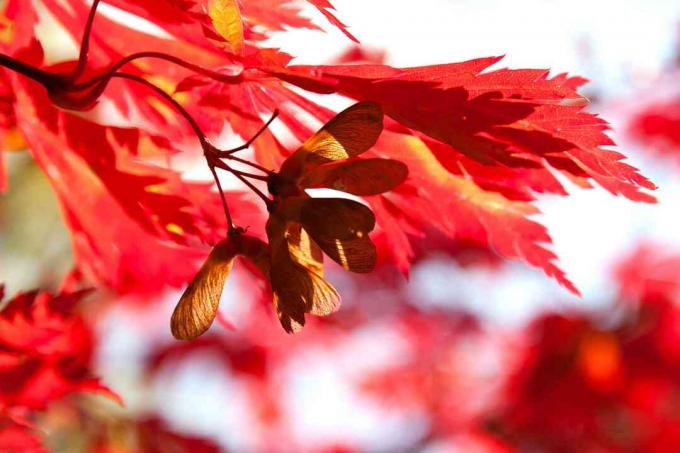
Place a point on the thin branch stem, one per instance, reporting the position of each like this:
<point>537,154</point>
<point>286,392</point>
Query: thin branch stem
<point>224,166</point>
<point>252,187</point>
<point>46,79</point>
<point>251,175</point>
<point>85,42</point>
<point>242,177</point>
<point>254,137</point>
<point>204,142</point>
<point>218,76</point>
<point>244,161</point>
<point>177,106</point>
<point>227,213</point>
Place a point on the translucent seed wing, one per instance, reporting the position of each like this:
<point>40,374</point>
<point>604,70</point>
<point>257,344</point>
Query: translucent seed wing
<point>348,134</point>
<point>340,227</point>
<point>297,288</point>
<point>298,291</point>
<point>197,308</point>
<point>303,249</point>
<point>355,255</point>
<point>361,177</point>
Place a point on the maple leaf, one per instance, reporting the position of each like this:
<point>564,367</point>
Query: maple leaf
<point>515,118</point>
<point>432,197</point>
<point>142,259</point>
<point>226,18</point>
<point>46,351</point>
<point>325,7</point>
<point>148,202</point>
<point>658,125</point>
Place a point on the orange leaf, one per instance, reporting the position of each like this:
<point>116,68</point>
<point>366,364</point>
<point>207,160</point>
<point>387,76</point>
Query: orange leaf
<point>226,19</point>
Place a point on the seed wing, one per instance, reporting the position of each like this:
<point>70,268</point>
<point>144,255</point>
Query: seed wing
<point>348,134</point>
<point>340,227</point>
<point>197,308</point>
<point>361,177</point>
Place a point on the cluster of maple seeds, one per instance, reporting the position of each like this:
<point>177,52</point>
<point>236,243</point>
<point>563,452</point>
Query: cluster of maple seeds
<point>301,229</point>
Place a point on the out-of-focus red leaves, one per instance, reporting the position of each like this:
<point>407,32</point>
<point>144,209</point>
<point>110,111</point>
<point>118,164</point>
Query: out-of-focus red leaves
<point>148,435</point>
<point>45,351</point>
<point>11,138</point>
<point>649,274</point>
<point>603,389</point>
<point>658,125</point>
<point>440,371</point>
<point>15,438</point>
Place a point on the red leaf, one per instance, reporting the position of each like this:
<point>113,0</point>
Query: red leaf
<point>433,197</point>
<point>17,438</point>
<point>658,125</point>
<point>513,118</point>
<point>47,350</point>
<point>325,7</point>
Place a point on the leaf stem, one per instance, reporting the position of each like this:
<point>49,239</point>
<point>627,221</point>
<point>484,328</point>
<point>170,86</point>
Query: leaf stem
<point>227,213</point>
<point>46,79</point>
<point>247,144</point>
<point>218,76</point>
<point>244,161</point>
<point>177,106</point>
<point>205,145</point>
<point>85,42</point>
<point>242,177</point>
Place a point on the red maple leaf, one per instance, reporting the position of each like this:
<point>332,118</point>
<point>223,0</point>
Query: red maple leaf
<point>658,125</point>
<point>45,351</point>
<point>481,143</point>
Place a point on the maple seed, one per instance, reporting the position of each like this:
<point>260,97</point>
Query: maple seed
<point>296,275</point>
<point>197,308</point>
<point>340,227</point>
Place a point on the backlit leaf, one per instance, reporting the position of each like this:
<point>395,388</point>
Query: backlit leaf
<point>226,19</point>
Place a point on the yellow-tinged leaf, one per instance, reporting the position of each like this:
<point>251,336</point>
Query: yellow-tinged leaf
<point>226,19</point>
